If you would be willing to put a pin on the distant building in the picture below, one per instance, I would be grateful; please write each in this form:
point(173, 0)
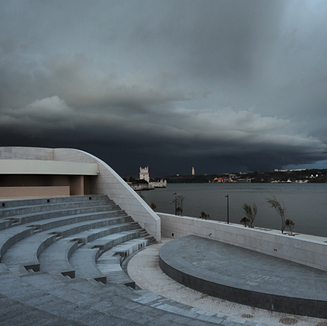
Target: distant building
point(193, 171)
point(145, 175)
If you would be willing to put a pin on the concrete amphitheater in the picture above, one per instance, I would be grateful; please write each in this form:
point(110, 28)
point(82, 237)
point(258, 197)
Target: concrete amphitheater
point(67, 228)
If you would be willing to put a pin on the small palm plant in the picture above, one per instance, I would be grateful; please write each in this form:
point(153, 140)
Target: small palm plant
point(250, 212)
point(178, 201)
point(245, 221)
point(204, 215)
point(280, 209)
point(290, 224)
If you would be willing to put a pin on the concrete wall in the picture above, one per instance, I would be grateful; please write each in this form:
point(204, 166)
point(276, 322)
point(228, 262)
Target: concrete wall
point(78, 184)
point(47, 167)
point(34, 168)
point(304, 249)
point(11, 192)
point(26, 153)
point(110, 183)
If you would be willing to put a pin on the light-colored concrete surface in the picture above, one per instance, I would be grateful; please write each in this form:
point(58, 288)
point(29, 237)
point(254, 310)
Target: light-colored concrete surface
point(110, 183)
point(303, 249)
point(144, 269)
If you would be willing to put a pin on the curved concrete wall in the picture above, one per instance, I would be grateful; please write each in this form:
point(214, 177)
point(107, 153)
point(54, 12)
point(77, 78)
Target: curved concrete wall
point(304, 249)
point(108, 182)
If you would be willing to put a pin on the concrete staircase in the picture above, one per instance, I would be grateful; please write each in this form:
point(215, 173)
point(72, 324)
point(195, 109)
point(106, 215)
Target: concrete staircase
point(60, 263)
point(39, 230)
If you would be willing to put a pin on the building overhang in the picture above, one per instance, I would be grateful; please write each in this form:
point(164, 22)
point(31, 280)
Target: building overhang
point(47, 167)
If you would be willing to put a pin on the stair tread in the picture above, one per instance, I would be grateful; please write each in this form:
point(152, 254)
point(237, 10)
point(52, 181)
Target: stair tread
point(54, 259)
point(84, 259)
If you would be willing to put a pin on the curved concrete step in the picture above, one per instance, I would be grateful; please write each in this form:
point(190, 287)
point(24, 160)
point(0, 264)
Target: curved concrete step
point(46, 207)
point(10, 236)
point(109, 263)
point(55, 216)
point(5, 224)
point(34, 243)
point(84, 259)
point(4, 204)
point(37, 217)
point(68, 230)
point(55, 259)
point(51, 223)
point(23, 256)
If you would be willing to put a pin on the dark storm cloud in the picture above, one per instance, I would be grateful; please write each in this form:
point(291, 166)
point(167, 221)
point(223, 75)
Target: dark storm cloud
point(224, 85)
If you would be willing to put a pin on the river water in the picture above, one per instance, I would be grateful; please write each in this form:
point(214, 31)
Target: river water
point(306, 204)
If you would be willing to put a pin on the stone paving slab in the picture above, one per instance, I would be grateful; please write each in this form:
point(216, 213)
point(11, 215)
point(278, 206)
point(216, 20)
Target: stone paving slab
point(245, 276)
point(80, 302)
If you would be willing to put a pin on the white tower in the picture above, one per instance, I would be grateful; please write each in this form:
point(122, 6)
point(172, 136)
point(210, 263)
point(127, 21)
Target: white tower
point(144, 174)
point(193, 171)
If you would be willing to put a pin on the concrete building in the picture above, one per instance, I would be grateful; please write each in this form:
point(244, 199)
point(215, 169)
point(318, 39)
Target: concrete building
point(45, 172)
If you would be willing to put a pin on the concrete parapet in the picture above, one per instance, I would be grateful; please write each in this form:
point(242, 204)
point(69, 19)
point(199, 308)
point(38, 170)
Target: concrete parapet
point(304, 249)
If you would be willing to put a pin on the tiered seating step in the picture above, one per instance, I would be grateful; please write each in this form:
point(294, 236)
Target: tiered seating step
point(84, 260)
point(109, 263)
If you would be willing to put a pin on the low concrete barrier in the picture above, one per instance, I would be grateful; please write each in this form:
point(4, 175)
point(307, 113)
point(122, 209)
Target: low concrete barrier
point(304, 249)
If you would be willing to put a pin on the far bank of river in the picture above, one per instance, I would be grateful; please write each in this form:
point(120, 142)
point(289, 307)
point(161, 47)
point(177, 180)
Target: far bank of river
point(306, 203)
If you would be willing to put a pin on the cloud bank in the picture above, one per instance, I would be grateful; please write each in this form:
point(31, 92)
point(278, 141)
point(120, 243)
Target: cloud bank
point(220, 85)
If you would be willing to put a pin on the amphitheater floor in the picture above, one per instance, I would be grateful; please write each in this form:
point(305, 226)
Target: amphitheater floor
point(144, 269)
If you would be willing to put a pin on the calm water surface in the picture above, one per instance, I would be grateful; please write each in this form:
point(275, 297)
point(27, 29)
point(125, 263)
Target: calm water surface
point(306, 203)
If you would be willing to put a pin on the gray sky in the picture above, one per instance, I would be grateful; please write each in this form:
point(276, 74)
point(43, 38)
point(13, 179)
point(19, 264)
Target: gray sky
point(222, 85)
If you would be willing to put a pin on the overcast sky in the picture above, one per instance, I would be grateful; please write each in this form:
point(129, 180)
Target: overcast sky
point(221, 85)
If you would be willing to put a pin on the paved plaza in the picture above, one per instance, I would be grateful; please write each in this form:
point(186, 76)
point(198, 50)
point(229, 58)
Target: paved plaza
point(145, 271)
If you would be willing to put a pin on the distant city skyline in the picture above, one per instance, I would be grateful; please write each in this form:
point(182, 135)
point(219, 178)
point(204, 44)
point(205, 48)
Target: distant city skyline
point(219, 85)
